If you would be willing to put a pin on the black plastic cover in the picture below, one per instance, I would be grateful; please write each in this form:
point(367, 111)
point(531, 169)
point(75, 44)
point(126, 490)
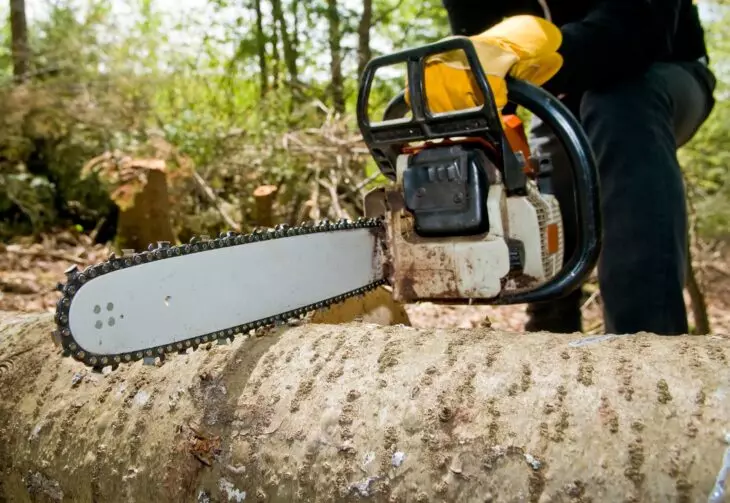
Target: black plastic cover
point(446, 188)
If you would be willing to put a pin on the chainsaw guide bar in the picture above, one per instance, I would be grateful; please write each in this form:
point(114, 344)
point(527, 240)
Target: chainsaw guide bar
point(98, 311)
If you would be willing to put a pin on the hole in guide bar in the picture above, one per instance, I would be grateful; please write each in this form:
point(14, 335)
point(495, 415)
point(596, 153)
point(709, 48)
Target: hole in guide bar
point(167, 300)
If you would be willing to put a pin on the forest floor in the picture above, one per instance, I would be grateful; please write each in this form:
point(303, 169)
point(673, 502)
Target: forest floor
point(30, 270)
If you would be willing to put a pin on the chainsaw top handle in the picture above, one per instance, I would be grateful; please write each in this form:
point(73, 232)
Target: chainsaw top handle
point(386, 140)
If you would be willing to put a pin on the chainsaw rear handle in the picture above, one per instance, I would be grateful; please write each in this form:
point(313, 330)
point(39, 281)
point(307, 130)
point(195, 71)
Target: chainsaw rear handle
point(386, 139)
point(587, 191)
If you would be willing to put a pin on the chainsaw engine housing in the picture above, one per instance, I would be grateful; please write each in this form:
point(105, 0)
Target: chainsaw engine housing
point(454, 233)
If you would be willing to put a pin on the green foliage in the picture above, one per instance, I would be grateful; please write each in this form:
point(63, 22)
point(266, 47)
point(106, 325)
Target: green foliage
point(109, 76)
point(31, 197)
point(706, 158)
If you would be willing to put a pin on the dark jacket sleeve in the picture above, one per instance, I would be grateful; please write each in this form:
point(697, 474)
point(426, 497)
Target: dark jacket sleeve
point(615, 39)
point(471, 17)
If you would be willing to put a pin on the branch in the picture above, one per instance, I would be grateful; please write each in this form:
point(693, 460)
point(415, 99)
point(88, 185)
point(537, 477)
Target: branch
point(215, 201)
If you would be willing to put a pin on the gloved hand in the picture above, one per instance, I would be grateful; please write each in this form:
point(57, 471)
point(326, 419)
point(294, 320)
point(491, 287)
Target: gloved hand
point(524, 47)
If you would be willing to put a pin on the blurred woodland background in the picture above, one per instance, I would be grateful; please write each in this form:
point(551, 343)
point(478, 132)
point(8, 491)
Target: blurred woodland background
point(201, 116)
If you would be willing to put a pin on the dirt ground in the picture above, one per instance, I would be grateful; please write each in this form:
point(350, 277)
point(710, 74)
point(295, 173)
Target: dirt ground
point(30, 270)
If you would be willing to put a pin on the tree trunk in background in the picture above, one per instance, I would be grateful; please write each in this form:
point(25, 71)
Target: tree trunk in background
point(261, 49)
point(149, 220)
point(290, 55)
point(275, 57)
point(19, 45)
point(337, 84)
point(295, 27)
point(361, 412)
point(364, 54)
point(697, 299)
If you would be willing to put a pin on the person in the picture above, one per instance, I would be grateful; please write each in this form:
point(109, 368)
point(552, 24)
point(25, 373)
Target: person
point(636, 74)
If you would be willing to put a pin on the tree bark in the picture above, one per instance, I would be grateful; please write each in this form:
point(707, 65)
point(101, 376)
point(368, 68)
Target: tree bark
point(289, 46)
point(364, 54)
point(261, 50)
point(361, 412)
point(19, 39)
point(275, 56)
point(697, 299)
point(337, 84)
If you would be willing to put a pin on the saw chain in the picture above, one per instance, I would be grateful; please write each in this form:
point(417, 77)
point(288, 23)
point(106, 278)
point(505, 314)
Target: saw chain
point(76, 279)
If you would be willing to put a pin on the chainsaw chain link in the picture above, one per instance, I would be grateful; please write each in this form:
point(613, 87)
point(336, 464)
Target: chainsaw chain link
point(76, 279)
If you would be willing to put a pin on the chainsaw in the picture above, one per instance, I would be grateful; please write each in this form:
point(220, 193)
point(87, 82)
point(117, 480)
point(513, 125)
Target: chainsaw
point(466, 217)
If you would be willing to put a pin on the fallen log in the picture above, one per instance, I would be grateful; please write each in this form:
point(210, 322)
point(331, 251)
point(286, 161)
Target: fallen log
point(362, 412)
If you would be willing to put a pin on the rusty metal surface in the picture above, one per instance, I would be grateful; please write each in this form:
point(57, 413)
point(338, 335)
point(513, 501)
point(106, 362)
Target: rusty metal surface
point(448, 268)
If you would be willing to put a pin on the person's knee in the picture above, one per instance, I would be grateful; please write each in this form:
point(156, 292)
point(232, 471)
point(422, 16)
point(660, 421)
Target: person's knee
point(630, 128)
point(640, 105)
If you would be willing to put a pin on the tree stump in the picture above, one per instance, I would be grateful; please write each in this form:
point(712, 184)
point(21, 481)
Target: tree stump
point(265, 196)
point(148, 220)
point(362, 412)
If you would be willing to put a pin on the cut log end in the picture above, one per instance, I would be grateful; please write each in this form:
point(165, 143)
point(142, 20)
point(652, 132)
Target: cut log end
point(264, 191)
point(371, 413)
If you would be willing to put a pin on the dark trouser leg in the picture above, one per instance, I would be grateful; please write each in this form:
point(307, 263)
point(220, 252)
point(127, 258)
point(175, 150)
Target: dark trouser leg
point(635, 129)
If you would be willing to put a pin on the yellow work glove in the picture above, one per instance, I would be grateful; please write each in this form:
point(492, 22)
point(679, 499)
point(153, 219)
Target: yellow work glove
point(524, 47)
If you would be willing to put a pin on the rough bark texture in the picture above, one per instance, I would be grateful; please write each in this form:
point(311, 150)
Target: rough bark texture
point(337, 78)
point(290, 54)
point(19, 39)
point(362, 412)
point(261, 50)
point(364, 53)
